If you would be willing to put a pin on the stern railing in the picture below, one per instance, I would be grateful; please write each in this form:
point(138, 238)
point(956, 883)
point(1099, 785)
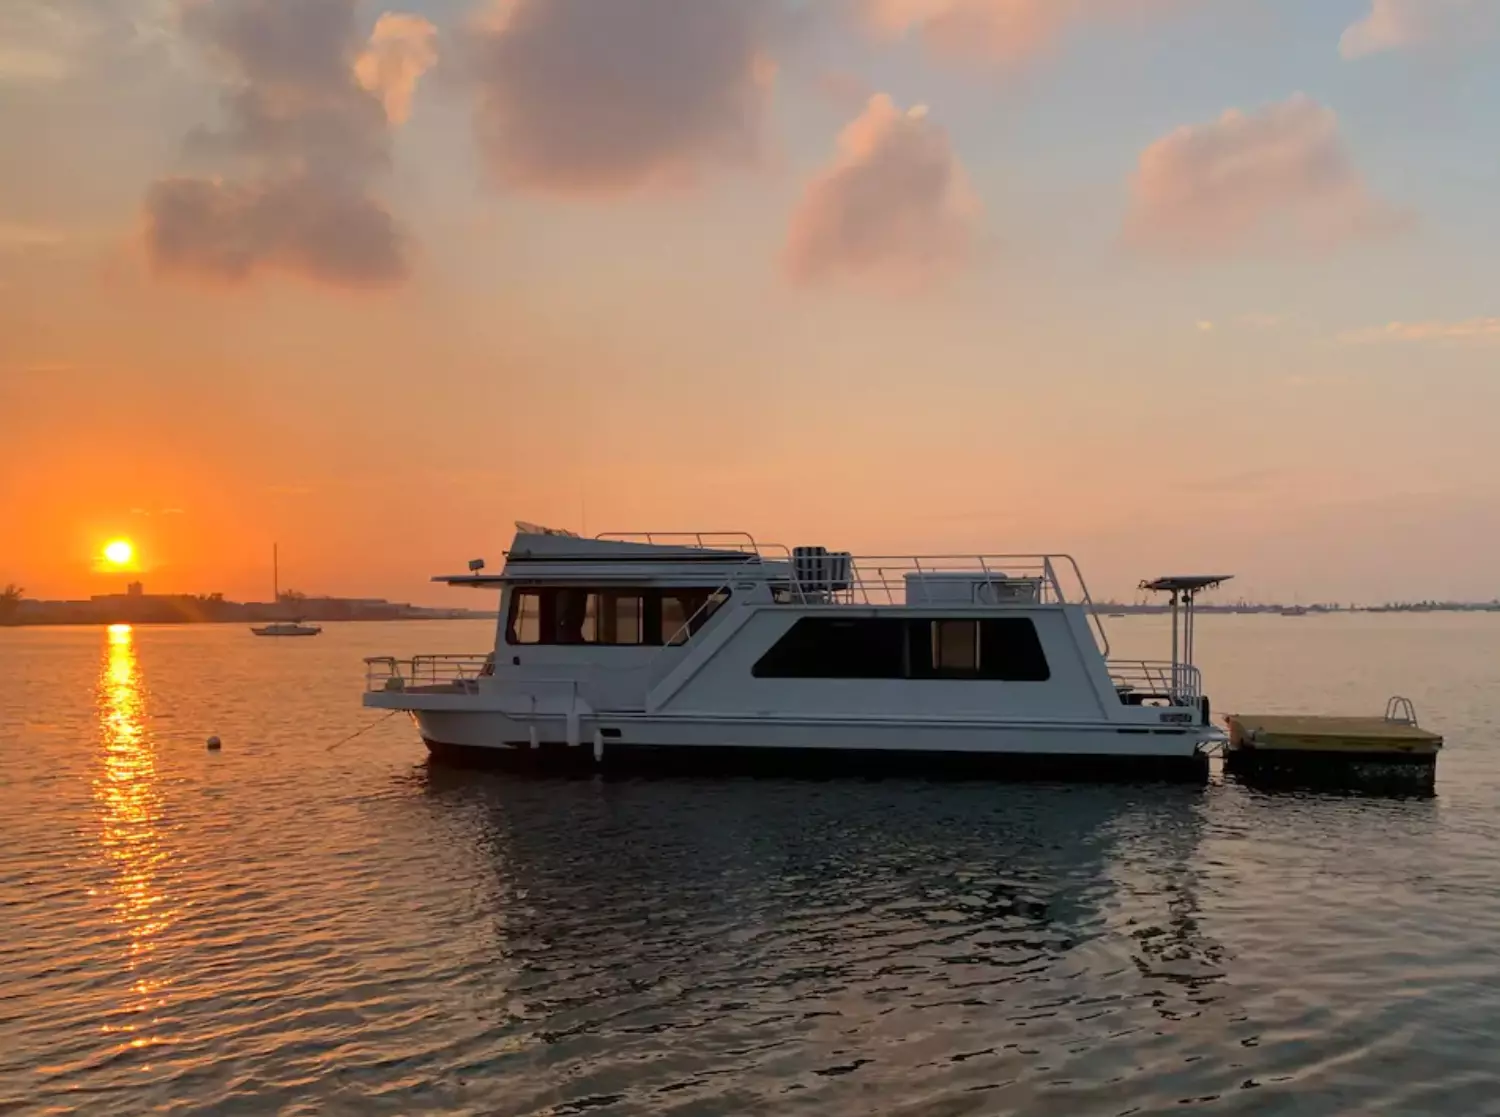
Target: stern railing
point(1182, 685)
point(458, 671)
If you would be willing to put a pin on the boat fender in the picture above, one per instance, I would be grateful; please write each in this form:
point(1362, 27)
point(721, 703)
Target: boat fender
point(575, 729)
point(598, 746)
point(1204, 708)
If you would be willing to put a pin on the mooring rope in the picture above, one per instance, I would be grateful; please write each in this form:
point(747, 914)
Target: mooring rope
point(362, 732)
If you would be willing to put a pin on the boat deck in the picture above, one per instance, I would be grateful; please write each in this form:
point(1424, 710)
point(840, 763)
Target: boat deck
point(1315, 734)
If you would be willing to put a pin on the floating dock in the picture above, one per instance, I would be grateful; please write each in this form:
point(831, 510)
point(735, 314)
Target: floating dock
point(1360, 750)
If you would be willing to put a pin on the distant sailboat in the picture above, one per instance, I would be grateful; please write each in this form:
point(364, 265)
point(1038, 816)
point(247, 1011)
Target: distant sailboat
point(293, 627)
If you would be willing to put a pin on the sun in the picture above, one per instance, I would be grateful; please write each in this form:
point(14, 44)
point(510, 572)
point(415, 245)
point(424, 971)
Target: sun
point(119, 552)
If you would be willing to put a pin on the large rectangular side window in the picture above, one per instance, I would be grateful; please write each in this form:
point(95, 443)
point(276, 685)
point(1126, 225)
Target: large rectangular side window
point(1000, 650)
point(835, 648)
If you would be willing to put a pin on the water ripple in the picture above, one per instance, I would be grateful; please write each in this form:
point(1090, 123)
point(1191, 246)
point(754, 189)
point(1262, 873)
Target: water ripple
point(282, 928)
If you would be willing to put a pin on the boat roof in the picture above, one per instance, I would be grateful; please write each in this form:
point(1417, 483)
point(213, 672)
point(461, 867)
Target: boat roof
point(548, 553)
point(1178, 583)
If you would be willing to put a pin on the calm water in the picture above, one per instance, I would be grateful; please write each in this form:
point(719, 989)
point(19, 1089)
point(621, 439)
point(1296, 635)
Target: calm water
point(280, 927)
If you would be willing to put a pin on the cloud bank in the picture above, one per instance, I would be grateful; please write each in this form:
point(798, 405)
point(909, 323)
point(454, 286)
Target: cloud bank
point(894, 205)
point(309, 112)
point(583, 97)
point(1274, 178)
point(1473, 331)
point(48, 41)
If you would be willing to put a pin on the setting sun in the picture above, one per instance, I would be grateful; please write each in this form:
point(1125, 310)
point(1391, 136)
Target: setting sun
point(119, 552)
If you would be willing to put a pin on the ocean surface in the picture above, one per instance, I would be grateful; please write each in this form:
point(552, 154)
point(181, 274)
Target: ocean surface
point(287, 926)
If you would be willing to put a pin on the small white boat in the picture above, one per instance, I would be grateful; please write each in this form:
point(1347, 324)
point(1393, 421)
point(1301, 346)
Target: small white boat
point(282, 628)
point(714, 652)
point(286, 628)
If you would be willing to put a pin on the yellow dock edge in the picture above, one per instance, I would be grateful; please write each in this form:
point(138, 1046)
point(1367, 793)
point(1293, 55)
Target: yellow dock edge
point(1331, 736)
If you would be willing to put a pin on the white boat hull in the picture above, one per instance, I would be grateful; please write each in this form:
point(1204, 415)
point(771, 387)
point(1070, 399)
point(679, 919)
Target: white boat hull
point(726, 743)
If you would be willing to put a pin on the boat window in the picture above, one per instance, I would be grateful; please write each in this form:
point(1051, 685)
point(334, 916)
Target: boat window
point(835, 648)
point(674, 618)
point(685, 612)
point(955, 648)
point(619, 617)
point(1010, 649)
point(1001, 649)
point(525, 625)
point(573, 620)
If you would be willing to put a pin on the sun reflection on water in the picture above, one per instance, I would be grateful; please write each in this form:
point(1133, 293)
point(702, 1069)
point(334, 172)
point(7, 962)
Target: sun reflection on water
point(127, 789)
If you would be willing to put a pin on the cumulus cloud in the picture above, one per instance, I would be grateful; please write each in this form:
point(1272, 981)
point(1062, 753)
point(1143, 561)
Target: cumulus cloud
point(309, 108)
point(1400, 24)
point(401, 50)
point(1002, 31)
point(579, 96)
point(894, 205)
point(1277, 176)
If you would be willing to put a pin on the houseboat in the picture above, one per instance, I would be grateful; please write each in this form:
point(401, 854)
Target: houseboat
point(714, 652)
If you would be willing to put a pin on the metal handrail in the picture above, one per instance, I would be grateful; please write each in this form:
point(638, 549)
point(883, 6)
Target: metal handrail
point(702, 540)
point(460, 669)
point(888, 584)
point(1401, 711)
point(1179, 682)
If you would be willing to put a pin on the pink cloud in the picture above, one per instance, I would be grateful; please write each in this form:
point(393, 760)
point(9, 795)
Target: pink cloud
point(401, 49)
point(1401, 24)
point(578, 96)
point(1273, 178)
point(998, 31)
point(894, 205)
point(309, 110)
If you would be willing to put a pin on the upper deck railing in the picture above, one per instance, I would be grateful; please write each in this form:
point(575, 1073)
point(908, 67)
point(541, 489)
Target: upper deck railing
point(739, 542)
point(944, 580)
point(823, 578)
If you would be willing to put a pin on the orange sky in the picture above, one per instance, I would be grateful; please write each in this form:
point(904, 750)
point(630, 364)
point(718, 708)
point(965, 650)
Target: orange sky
point(1106, 282)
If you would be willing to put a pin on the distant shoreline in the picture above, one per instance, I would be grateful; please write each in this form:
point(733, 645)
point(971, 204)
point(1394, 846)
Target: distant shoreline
point(1108, 610)
point(179, 623)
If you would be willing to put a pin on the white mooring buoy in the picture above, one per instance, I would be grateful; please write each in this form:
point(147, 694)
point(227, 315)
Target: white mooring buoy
point(214, 744)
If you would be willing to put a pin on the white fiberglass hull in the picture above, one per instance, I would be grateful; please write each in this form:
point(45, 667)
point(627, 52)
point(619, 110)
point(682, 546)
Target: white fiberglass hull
point(699, 741)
